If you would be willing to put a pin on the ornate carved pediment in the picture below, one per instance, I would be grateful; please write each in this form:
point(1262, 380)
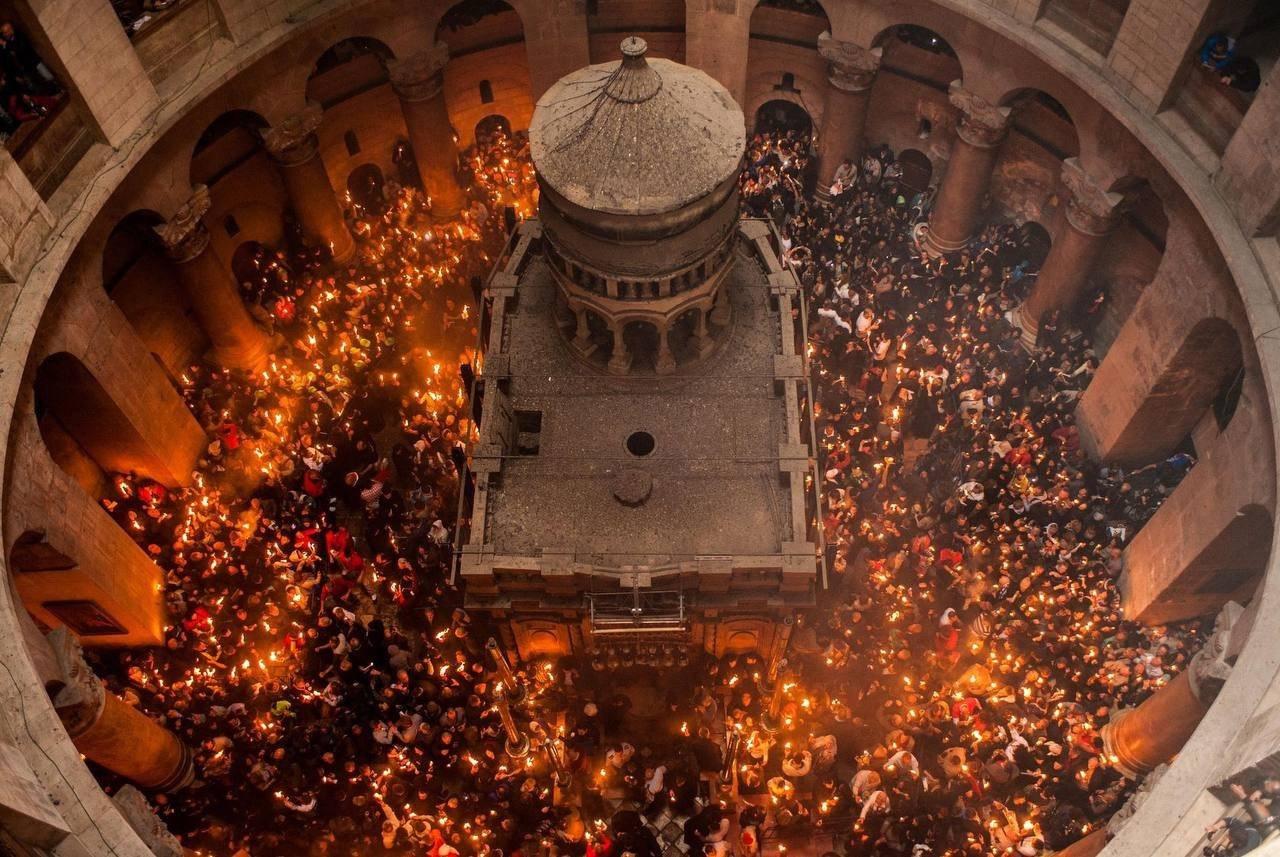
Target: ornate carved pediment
point(293, 141)
point(1089, 208)
point(981, 122)
point(80, 700)
point(420, 76)
point(185, 236)
point(850, 67)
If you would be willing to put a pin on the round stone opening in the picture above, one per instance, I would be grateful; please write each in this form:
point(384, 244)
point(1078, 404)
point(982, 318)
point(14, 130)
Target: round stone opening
point(640, 443)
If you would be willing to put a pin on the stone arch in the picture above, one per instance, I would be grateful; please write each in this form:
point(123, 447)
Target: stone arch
point(783, 63)
point(1191, 368)
point(1037, 240)
point(1132, 255)
point(642, 337)
point(226, 143)
point(488, 43)
point(781, 114)
point(915, 51)
point(142, 283)
point(85, 431)
point(1040, 116)
point(365, 186)
point(492, 124)
point(348, 68)
point(917, 169)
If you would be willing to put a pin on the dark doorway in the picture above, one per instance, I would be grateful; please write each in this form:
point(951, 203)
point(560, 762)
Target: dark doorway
point(781, 116)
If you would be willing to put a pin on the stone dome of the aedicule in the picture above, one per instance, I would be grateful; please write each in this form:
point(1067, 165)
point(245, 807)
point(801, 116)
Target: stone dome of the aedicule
point(636, 136)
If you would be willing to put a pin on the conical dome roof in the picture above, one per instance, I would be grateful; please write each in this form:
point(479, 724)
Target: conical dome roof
point(636, 136)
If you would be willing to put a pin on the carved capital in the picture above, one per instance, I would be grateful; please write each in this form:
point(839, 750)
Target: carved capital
point(185, 236)
point(1210, 667)
point(982, 123)
point(1090, 209)
point(293, 141)
point(420, 76)
point(80, 701)
point(850, 67)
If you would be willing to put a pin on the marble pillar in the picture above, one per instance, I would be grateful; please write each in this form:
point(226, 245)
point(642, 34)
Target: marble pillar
point(956, 214)
point(418, 81)
point(1138, 740)
point(1091, 214)
point(112, 733)
point(294, 147)
point(237, 341)
point(851, 70)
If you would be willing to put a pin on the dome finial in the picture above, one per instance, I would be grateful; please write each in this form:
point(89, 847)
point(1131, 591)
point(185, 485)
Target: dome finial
point(635, 80)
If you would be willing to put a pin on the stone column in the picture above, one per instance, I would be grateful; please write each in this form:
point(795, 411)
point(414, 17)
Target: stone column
point(665, 363)
point(1091, 214)
point(582, 334)
point(418, 82)
point(1138, 740)
point(851, 70)
point(620, 359)
point(237, 341)
point(981, 129)
point(115, 735)
point(296, 149)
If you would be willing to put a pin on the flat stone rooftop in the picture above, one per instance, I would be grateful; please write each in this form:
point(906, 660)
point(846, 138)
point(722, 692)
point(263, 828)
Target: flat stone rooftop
point(716, 427)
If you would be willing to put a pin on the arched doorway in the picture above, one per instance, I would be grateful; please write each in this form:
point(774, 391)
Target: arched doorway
point(917, 169)
point(489, 65)
point(1042, 121)
point(349, 68)
point(228, 141)
point(491, 127)
point(780, 116)
point(365, 184)
point(921, 54)
point(641, 338)
point(142, 283)
point(1037, 241)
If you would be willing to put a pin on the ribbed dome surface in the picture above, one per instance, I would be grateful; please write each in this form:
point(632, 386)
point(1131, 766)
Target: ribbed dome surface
point(636, 136)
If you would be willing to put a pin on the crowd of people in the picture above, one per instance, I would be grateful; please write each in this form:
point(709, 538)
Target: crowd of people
point(28, 89)
point(944, 699)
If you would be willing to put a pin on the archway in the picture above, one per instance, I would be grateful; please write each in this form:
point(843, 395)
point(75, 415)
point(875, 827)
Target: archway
point(1037, 241)
point(1043, 121)
point(917, 169)
point(143, 284)
point(84, 430)
point(365, 185)
point(641, 338)
point(780, 116)
point(347, 69)
point(488, 70)
point(491, 127)
point(1131, 256)
point(228, 141)
point(919, 54)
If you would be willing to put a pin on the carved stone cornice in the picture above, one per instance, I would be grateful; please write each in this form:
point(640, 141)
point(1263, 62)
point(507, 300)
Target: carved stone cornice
point(1209, 668)
point(185, 236)
point(420, 76)
point(137, 810)
point(293, 141)
point(982, 123)
point(1090, 209)
point(80, 701)
point(850, 67)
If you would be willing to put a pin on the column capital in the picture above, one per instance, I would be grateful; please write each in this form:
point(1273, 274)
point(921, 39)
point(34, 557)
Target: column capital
point(185, 236)
point(1090, 209)
point(420, 76)
point(850, 67)
point(982, 123)
point(293, 141)
point(1210, 668)
point(81, 699)
point(137, 810)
